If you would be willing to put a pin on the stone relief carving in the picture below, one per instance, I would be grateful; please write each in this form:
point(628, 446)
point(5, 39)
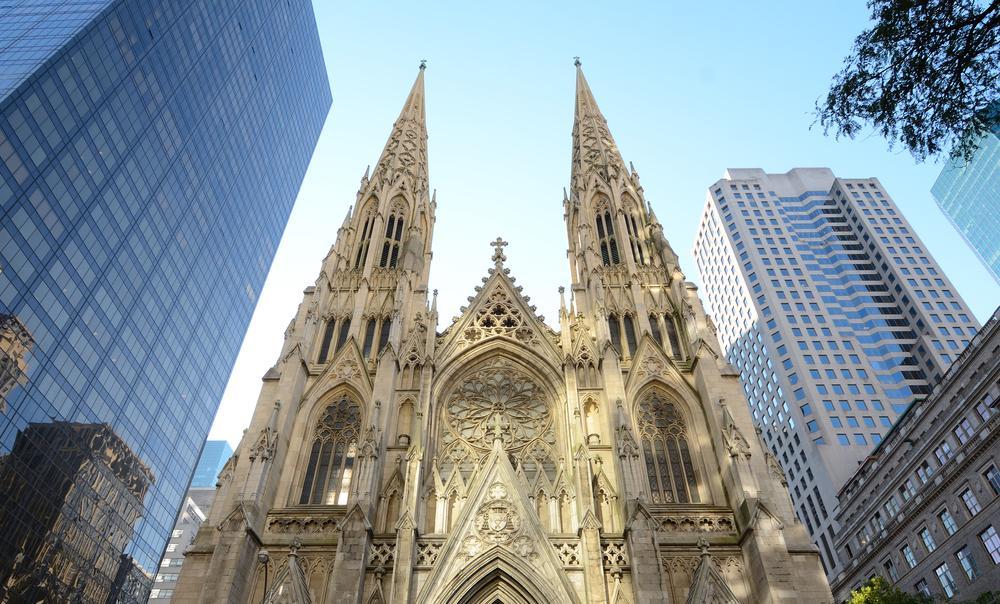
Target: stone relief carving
point(497, 522)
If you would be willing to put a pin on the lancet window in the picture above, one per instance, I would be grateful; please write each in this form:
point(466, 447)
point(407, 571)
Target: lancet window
point(635, 241)
point(327, 340)
point(654, 328)
point(331, 459)
point(606, 238)
point(393, 240)
point(669, 465)
point(376, 336)
point(622, 330)
point(675, 342)
point(365, 240)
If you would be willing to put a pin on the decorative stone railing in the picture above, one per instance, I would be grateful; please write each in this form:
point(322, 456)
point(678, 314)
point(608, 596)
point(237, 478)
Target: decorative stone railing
point(693, 519)
point(305, 519)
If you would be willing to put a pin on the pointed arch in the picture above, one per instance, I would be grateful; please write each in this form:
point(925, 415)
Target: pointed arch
point(663, 429)
point(394, 227)
point(367, 219)
point(501, 576)
point(325, 467)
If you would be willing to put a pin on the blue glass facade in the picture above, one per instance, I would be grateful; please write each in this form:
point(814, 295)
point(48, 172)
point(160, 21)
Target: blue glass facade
point(148, 166)
point(968, 193)
point(215, 455)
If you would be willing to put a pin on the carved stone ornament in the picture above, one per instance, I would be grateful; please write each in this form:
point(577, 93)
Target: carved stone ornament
point(775, 468)
point(346, 370)
point(735, 443)
point(497, 522)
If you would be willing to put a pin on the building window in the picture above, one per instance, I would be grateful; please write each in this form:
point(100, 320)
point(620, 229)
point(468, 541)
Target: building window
point(907, 491)
point(376, 337)
point(634, 238)
point(366, 237)
point(669, 466)
point(654, 329)
point(176, 533)
point(991, 541)
point(946, 580)
point(171, 547)
point(963, 431)
point(943, 453)
point(948, 522)
point(971, 503)
point(393, 238)
point(907, 552)
point(924, 472)
point(993, 477)
point(967, 563)
point(921, 587)
point(928, 539)
point(324, 346)
point(331, 461)
point(890, 570)
point(606, 238)
point(161, 593)
point(345, 328)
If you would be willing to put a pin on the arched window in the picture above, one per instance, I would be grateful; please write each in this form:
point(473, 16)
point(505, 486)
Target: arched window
point(654, 328)
point(665, 447)
point(614, 327)
point(331, 460)
point(607, 240)
point(324, 345)
point(675, 343)
point(364, 241)
point(366, 349)
point(629, 334)
point(393, 237)
point(345, 329)
point(634, 239)
point(622, 328)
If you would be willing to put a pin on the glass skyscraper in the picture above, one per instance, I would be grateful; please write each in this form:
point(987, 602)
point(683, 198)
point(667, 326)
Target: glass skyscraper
point(834, 314)
point(150, 154)
point(968, 193)
point(214, 455)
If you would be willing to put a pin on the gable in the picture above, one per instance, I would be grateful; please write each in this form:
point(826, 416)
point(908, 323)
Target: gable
point(499, 311)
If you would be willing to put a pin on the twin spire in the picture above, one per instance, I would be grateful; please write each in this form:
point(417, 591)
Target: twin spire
point(405, 153)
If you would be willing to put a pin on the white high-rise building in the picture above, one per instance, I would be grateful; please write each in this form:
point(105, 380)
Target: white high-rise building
point(834, 314)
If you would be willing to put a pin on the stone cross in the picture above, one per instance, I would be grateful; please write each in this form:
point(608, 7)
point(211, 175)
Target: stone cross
point(498, 255)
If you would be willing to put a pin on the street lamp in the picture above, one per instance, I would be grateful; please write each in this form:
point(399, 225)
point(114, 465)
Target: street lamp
point(263, 557)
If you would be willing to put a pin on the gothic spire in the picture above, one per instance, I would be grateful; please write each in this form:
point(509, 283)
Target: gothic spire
point(404, 158)
point(594, 150)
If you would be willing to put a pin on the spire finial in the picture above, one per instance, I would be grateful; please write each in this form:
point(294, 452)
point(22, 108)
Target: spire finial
point(576, 61)
point(423, 64)
point(498, 255)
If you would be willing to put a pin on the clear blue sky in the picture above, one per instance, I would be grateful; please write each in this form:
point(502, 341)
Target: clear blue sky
point(689, 89)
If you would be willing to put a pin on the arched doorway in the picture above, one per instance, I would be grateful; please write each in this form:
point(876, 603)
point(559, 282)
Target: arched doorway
point(498, 588)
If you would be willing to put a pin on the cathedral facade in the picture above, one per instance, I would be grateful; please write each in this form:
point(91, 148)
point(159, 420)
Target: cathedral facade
point(500, 460)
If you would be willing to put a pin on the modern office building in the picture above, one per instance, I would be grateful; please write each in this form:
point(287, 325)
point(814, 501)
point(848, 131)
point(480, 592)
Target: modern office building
point(194, 511)
point(923, 510)
point(215, 455)
point(148, 165)
point(834, 314)
point(968, 192)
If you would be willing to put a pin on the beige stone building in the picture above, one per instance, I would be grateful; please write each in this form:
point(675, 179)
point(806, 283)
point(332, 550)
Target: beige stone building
point(923, 510)
point(502, 460)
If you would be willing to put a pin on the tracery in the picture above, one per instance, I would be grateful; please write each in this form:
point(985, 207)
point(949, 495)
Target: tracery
point(669, 465)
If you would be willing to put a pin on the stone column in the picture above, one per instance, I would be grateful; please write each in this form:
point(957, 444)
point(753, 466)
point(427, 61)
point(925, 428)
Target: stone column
point(347, 586)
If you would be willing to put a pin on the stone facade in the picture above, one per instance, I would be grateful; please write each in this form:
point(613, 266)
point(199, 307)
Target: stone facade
point(923, 508)
point(501, 459)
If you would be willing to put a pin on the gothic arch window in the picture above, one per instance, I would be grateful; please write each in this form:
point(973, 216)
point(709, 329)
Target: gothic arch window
point(634, 237)
point(393, 237)
point(497, 399)
point(654, 328)
point(675, 342)
point(376, 336)
point(606, 238)
point(331, 460)
point(330, 330)
point(622, 329)
point(664, 437)
point(365, 240)
point(324, 345)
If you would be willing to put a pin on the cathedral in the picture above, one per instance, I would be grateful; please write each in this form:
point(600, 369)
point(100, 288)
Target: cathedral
point(500, 460)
